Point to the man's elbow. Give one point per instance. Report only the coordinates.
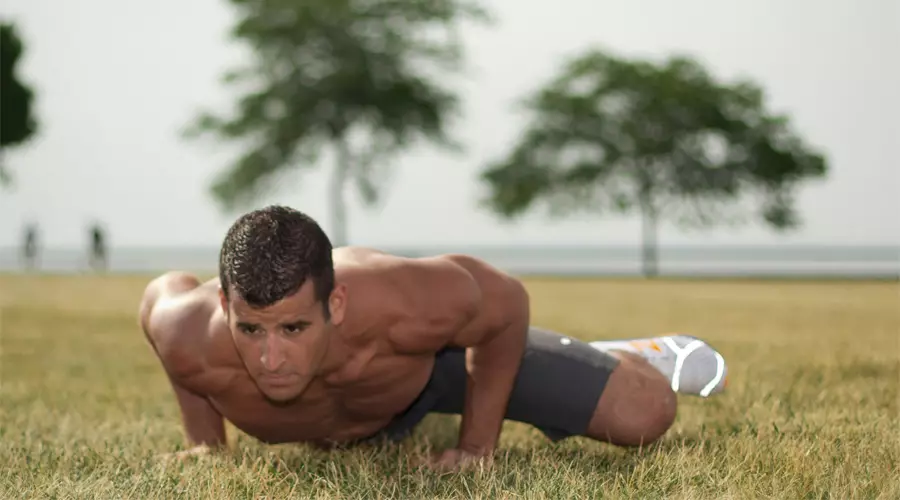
(509, 316)
(518, 302)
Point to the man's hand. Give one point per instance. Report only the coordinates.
(455, 460)
(191, 453)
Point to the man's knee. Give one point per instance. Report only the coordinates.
(657, 420)
(637, 407)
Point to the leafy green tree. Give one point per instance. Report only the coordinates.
(610, 134)
(360, 79)
(17, 123)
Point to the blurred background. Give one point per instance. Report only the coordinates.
(641, 137)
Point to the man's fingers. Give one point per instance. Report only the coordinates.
(192, 453)
(455, 460)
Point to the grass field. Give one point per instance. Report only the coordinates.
(811, 410)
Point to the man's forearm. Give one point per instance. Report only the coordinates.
(492, 369)
(203, 425)
(209, 432)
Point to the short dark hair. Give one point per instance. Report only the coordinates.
(269, 253)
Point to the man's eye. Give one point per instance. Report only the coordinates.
(293, 329)
(251, 330)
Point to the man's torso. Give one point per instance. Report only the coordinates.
(363, 401)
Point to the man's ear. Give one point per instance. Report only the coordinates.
(337, 303)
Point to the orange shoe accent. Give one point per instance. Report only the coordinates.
(645, 344)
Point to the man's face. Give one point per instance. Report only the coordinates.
(283, 345)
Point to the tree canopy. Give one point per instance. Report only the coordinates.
(362, 79)
(665, 139)
(17, 123)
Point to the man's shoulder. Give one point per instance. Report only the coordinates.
(420, 301)
(179, 324)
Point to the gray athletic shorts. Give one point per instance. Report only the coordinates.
(557, 389)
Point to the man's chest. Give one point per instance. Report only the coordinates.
(315, 416)
(354, 408)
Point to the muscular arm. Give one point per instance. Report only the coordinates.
(175, 331)
(495, 341)
(203, 426)
(475, 306)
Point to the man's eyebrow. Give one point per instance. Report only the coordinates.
(298, 322)
(244, 324)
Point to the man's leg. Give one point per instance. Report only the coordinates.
(566, 387)
(637, 405)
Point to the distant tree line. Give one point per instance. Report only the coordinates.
(607, 134)
(363, 81)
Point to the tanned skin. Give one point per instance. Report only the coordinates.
(284, 373)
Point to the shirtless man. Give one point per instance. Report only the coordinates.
(299, 342)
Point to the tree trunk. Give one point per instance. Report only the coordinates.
(5, 177)
(649, 248)
(338, 200)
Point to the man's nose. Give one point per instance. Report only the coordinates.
(273, 354)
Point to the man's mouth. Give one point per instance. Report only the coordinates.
(278, 380)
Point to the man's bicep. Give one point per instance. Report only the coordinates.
(439, 299)
(503, 303)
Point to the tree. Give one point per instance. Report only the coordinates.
(17, 125)
(663, 139)
(349, 76)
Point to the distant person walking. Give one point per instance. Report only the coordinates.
(98, 250)
(30, 248)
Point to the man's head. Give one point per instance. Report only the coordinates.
(279, 297)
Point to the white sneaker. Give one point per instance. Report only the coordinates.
(690, 364)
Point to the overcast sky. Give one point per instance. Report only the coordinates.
(116, 80)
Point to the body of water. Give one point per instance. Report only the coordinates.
(768, 261)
